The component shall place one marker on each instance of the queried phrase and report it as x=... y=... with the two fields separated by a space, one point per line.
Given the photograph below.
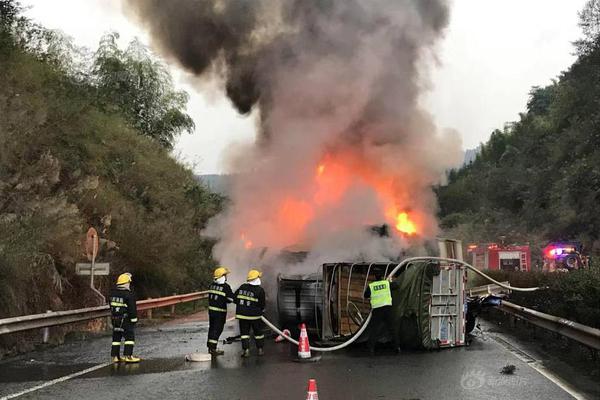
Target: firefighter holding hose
x=123 y=312
x=380 y=294
x=220 y=294
x=250 y=301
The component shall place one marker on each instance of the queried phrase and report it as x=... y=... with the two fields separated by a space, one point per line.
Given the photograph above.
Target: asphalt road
x=463 y=373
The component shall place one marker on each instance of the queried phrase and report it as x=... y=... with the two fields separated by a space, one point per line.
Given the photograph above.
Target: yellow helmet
x=124 y=278
x=253 y=274
x=219 y=272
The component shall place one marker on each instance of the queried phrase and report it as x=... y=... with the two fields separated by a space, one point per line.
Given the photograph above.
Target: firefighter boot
x=132 y=359
x=246 y=353
x=216 y=352
x=116 y=359
x=261 y=352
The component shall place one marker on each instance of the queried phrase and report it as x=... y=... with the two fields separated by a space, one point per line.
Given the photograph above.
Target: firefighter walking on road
x=220 y=294
x=250 y=302
x=123 y=312
x=380 y=294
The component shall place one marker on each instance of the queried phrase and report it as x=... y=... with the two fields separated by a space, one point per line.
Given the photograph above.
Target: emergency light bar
x=559 y=251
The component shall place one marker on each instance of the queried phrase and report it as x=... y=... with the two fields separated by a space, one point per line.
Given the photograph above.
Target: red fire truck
x=505 y=257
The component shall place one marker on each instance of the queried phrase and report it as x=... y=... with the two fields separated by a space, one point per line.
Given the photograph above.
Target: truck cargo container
x=429 y=305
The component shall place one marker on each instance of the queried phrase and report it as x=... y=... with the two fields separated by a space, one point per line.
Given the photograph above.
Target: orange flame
x=336 y=175
x=405 y=225
x=320 y=169
x=295 y=214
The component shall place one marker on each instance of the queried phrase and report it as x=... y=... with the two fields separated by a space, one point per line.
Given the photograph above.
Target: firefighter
x=379 y=292
x=250 y=301
x=220 y=294
x=123 y=312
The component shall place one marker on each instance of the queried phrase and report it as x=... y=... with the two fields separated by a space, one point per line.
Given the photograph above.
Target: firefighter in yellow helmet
x=250 y=301
x=219 y=295
x=123 y=312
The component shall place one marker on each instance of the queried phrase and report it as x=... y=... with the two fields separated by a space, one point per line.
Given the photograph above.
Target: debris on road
x=198 y=357
x=508 y=369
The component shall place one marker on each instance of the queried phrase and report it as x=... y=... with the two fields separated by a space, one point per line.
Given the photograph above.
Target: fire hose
x=391 y=274
x=472 y=268
x=332 y=348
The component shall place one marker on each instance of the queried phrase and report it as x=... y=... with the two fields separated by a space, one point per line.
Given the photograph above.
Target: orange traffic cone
x=303 y=345
x=311 y=393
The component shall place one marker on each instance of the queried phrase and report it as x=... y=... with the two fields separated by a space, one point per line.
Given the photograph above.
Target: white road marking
x=65 y=378
x=55 y=381
x=557 y=381
x=538 y=366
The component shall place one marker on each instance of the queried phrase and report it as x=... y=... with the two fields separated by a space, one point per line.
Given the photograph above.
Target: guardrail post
x=173 y=306
x=149 y=311
x=46 y=331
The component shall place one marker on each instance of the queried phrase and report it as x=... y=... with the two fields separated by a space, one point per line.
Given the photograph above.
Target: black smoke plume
x=336 y=86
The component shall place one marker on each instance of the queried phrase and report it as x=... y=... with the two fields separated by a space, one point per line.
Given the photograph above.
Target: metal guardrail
x=54 y=318
x=488 y=289
x=582 y=333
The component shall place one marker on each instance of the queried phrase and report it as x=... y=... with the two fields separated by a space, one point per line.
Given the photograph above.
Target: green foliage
x=538 y=179
x=140 y=88
x=68 y=161
x=574 y=295
x=589 y=21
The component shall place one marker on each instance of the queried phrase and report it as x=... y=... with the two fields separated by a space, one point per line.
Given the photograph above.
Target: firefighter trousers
x=216 y=322
x=381 y=322
x=258 y=329
x=122 y=330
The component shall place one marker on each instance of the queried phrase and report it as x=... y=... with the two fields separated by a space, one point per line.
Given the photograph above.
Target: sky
x=494 y=51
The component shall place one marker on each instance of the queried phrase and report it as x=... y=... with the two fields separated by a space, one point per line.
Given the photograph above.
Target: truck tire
x=571 y=262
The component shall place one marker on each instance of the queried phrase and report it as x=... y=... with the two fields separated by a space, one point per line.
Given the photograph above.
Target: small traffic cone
x=311 y=393
x=303 y=345
x=280 y=338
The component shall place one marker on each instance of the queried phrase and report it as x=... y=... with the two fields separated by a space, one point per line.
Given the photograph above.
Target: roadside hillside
x=85 y=141
x=538 y=179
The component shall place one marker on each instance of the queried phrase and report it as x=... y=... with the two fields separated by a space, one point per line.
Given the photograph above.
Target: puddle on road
x=31 y=371
x=152 y=366
x=38 y=371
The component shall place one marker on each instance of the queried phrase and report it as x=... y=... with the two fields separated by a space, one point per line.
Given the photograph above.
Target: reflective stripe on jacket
x=250 y=301
x=123 y=304
x=219 y=294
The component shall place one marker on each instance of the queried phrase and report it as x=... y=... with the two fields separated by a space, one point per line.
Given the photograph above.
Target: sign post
x=91 y=251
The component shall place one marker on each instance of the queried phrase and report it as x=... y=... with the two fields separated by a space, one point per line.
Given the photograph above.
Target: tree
x=134 y=84
x=589 y=21
x=540 y=176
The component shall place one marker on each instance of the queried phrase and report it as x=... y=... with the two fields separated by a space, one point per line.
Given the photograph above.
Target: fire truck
x=494 y=256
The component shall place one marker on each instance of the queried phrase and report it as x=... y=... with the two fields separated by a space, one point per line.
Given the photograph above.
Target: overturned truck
x=429 y=306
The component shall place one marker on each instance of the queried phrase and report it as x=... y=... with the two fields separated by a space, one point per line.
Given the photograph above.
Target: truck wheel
x=571 y=262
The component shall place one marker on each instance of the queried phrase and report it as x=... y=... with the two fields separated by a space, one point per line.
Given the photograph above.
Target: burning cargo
x=428 y=306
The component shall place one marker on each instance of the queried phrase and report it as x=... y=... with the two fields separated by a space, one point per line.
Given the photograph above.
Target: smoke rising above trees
x=334 y=83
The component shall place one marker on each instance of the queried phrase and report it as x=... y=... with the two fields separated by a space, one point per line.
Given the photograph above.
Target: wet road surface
x=462 y=373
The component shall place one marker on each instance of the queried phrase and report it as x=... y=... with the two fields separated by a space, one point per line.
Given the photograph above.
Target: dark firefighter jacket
x=250 y=300
x=218 y=296
x=122 y=304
